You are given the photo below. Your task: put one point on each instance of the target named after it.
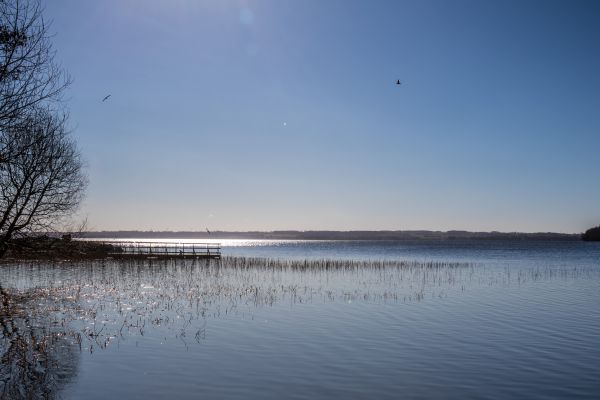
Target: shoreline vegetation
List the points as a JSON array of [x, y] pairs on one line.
[[592, 235], [54, 248]]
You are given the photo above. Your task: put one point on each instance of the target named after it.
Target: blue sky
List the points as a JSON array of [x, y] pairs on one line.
[[262, 115]]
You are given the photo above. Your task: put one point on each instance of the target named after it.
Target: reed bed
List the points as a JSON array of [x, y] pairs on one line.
[[52, 311]]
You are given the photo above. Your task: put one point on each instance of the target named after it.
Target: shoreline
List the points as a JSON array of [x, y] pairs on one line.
[[415, 235]]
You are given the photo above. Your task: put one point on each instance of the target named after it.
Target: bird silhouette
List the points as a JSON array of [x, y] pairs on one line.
[[207, 231], [105, 98], [398, 82]]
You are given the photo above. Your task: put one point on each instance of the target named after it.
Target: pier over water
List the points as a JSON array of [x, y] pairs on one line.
[[164, 249]]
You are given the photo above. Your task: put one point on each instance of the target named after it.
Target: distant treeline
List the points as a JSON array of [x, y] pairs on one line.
[[336, 235], [592, 235]]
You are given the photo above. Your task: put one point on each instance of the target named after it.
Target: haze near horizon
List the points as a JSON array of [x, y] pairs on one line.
[[269, 115]]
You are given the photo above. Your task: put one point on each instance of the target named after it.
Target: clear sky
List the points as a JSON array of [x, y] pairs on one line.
[[263, 115]]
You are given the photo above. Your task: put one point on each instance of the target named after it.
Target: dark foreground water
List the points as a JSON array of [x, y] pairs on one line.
[[434, 320]]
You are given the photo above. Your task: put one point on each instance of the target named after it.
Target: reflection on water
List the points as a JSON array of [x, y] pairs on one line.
[[126, 313], [516, 252], [112, 299], [39, 350]]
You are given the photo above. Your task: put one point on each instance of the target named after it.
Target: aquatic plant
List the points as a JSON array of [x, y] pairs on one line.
[[50, 311]]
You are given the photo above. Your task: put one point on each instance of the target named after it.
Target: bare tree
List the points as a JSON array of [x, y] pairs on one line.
[[44, 180], [41, 177], [29, 74]]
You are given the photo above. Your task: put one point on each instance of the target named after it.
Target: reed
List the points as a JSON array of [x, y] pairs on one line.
[[48, 307]]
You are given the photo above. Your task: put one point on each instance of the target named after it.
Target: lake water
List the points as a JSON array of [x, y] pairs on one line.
[[298, 319]]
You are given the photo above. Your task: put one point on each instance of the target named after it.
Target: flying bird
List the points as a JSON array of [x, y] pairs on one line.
[[105, 98], [398, 82], [207, 231]]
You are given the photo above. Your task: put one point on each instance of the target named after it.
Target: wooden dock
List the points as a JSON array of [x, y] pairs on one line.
[[124, 249]]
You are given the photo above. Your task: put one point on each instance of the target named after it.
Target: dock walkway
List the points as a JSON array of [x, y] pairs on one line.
[[164, 249]]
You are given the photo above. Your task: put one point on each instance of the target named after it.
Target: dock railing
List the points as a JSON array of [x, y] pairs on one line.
[[165, 249]]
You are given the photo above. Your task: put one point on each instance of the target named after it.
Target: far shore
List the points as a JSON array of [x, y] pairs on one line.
[[332, 235]]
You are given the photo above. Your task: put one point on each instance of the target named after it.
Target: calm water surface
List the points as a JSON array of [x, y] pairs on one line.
[[494, 319], [524, 252]]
